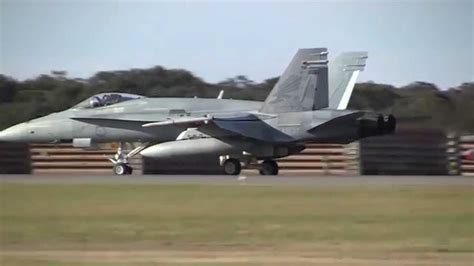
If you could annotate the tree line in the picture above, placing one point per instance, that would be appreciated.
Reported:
(451, 110)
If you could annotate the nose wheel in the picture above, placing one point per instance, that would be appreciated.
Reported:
(122, 169)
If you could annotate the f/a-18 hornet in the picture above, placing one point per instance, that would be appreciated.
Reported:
(307, 105)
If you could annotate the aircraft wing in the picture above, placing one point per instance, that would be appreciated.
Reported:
(205, 119)
(252, 127)
(157, 119)
(244, 125)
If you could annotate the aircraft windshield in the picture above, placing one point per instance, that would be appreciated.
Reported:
(105, 99)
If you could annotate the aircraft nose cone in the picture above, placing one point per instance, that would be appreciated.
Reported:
(13, 134)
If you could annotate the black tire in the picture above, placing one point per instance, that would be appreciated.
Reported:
(122, 169)
(232, 167)
(129, 170)
(269, 168)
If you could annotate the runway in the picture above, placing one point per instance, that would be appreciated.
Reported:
(255, 180)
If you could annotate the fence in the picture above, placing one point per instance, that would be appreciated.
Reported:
(65, 159)
(409, 152)
(467, 165)
(405, 153)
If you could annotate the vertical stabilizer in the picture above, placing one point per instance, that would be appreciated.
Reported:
(343, 73)
(303, 86)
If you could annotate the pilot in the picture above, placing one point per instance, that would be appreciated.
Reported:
(95, 102)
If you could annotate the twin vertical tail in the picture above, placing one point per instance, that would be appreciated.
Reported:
(343, 73)
(303, 86)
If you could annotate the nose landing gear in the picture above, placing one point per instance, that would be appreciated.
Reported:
(122, 169)
(120, 159)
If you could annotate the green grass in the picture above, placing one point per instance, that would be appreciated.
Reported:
(194, 217)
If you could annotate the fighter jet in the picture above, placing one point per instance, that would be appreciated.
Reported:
(307, 105)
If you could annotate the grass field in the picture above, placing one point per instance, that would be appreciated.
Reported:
(123, 224)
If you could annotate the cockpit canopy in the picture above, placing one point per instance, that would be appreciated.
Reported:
(105, 99)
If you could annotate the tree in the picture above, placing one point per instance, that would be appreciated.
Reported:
(7, 89)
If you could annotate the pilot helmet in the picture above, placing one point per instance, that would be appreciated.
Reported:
(95, 102)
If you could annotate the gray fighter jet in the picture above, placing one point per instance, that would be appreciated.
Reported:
(307, 105)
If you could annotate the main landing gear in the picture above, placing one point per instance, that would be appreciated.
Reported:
(232, 166)
(269, 167)
(120, 159)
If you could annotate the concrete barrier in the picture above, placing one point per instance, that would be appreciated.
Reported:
(14, 158)
(407, 152)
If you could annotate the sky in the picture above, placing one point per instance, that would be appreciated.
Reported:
(407, 41)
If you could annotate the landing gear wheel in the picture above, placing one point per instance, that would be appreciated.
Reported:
(129, 170)
(232, 167)
(269, 168)
(122, 169)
